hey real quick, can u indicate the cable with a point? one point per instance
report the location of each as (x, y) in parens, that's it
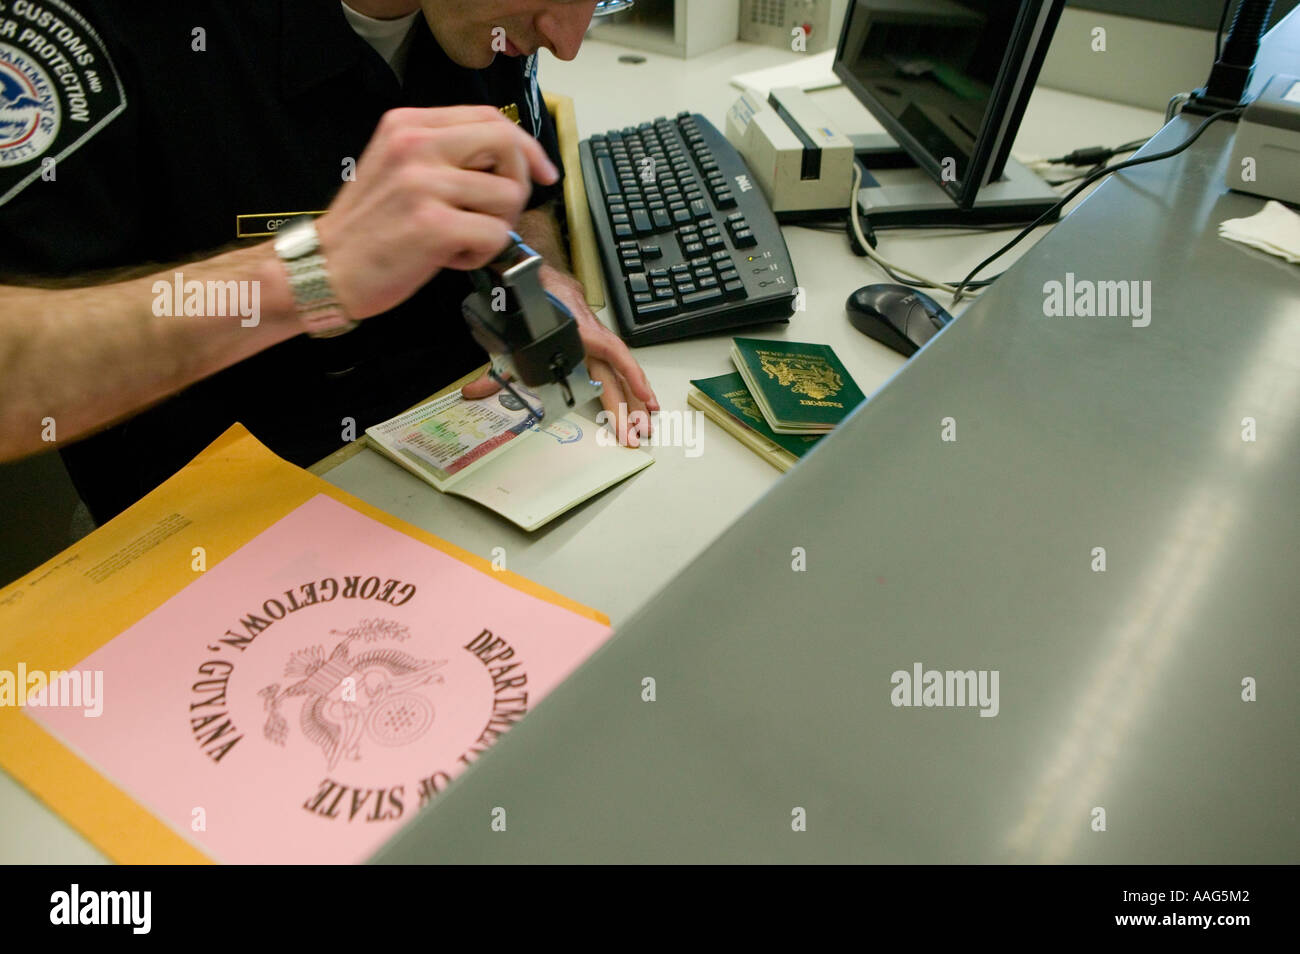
(1218, 36)
(893, 271)
(839, 225)
(1172, 110)
(1132, 146)
(1096, 155)
(1087, 181)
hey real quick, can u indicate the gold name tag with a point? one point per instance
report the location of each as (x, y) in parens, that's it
(511, 112)
(266, 224)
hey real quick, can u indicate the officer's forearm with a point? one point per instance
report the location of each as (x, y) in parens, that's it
(75, 360)
(541, 231)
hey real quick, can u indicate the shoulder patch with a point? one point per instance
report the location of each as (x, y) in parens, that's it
(58, 88)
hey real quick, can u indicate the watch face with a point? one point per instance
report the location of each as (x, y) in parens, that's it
(297, 240)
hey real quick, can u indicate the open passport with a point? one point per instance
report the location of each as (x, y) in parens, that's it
(491, 450)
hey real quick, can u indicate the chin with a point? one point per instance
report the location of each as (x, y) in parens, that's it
(476, 60)
(473, 57)
(463, 50)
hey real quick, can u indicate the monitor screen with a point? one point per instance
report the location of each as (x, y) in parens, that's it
(948, 79)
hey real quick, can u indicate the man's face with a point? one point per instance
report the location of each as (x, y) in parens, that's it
(466, 29)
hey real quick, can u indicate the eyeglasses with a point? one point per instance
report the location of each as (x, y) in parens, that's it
(605, 7)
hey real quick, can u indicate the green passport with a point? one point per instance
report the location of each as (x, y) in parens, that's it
(801, 388)
(728, 392)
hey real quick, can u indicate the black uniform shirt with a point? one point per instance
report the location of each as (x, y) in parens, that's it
(164, 137)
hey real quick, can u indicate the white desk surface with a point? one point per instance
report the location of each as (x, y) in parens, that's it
(615, 552)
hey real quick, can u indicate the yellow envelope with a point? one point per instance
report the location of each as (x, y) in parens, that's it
(61, 612)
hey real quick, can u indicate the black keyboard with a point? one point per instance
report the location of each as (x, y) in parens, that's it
(688, 242)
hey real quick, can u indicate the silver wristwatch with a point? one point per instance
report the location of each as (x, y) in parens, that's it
(299, 248)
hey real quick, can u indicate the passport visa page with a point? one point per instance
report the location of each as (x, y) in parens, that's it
(491, 450)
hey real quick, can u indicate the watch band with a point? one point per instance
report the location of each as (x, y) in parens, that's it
(298, 246)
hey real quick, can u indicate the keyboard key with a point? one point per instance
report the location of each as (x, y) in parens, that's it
(663, 294)
(721, 256)
(708, 281)
(623, 230)
(733, 290)
(704, 296)
(638, 283)
(681, 215)
(658, 309)
(700, 209)
(632, 265)
(641, 221)
(660, 218)
(652, 251)
(608, 176)
(694, 248)
(744, 238)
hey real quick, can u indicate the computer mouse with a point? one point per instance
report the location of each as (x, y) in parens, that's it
(897, 316)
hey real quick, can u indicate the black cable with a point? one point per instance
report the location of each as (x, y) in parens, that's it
(1096, 155)
(1218, 36)
(899, 279)
(1088, 180)
(1133, 145)
(1117, 151)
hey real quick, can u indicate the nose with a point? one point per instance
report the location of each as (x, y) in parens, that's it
(563, 26)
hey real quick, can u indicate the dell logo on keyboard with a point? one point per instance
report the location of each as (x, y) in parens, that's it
(744, 183)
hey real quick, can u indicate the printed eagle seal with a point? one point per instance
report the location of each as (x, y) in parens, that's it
(802, 374)
(58, 88)
(375, 693)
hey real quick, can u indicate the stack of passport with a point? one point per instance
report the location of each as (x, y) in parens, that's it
(785, 396)
(800, 388)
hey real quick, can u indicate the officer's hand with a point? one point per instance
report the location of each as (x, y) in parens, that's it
(627, 394)
(435, 188)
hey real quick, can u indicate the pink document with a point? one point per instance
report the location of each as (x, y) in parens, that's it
(302, 699)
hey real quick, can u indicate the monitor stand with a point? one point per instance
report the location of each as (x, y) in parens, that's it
(896, 193)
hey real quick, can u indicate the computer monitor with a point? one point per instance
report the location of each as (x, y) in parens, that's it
(949, 81)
